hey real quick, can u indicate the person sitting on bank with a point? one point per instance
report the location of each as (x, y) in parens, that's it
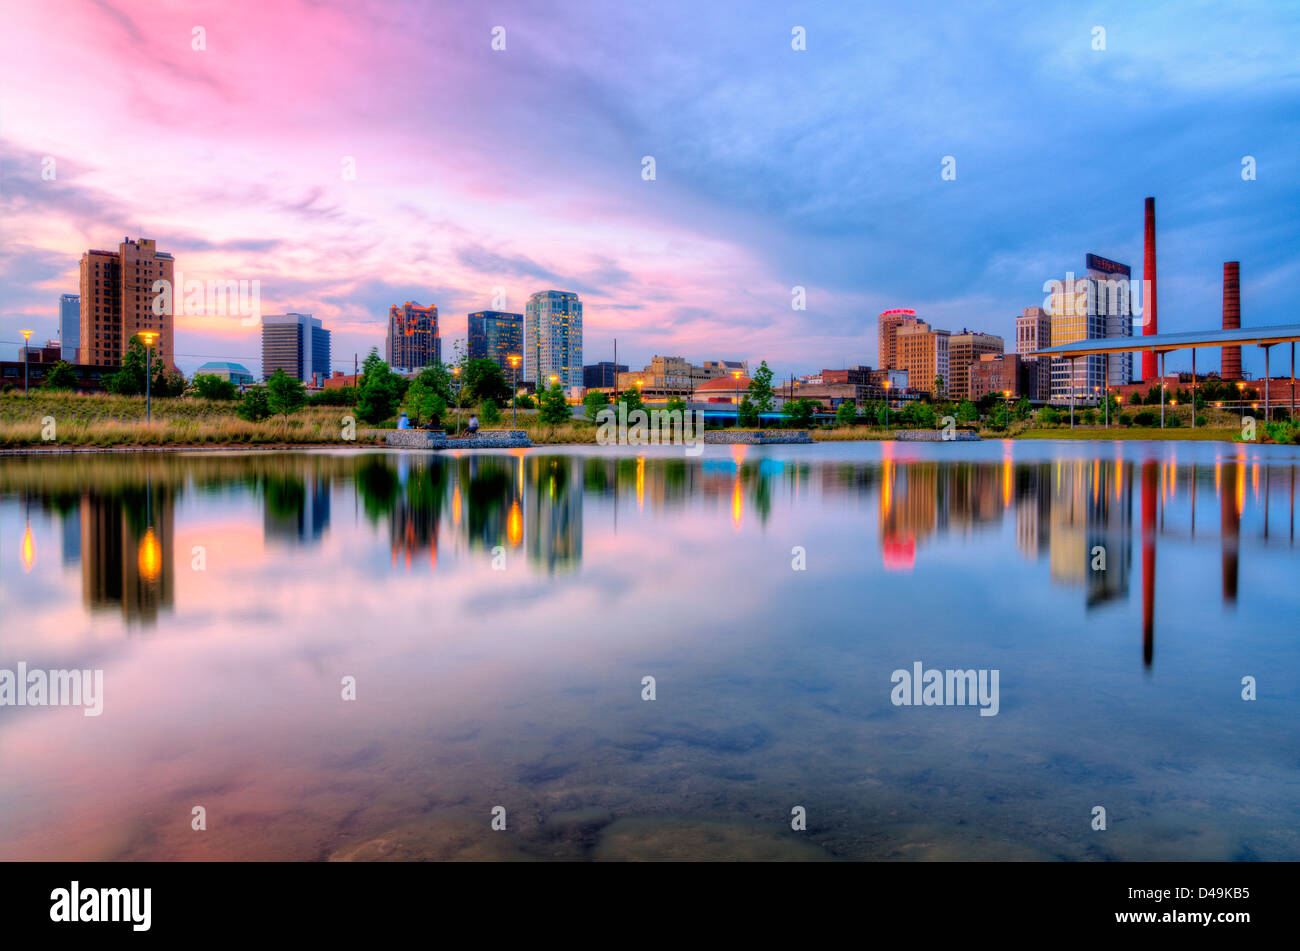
(403, 422)
(473, 424)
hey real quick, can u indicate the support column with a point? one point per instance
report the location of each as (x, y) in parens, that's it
(1106, 395)
(1293, 384)
(1162, 389)
(1267, 376)
(1072, 359)
(1193, 403)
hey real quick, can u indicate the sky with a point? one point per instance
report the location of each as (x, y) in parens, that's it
(226, 131)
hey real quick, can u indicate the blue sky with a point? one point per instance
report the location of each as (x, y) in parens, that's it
(774, 167)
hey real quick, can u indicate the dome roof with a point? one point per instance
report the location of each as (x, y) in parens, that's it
(727, 383)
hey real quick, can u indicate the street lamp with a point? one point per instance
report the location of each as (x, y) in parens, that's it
(886, 382)
(27, 337)
(455, 372)
(1007, 394)
(148, 336)
(514, 380)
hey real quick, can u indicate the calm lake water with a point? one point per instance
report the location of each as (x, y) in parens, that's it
(499, 612)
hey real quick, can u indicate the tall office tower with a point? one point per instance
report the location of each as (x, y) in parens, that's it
(296, 344)
(1093, 307)
(602, 374)
(1231, 367)
(965, 349)
(495, 335)
(413, 340)
(553, 328)
(1149, 325)
(1033, 333)
(923, 353)
(69, 326)
(117, 302)
(887, 327)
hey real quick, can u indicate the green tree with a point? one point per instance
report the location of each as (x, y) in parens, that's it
(966, 412)
(424, 401)
(846, 414)
(129, 380)
(284, 394)
(209, 386)
(632, 397)
(524, 401)
(1023, 409)
(800, 412)
(940, 389)
(760, 390)
(675, 404)
(380, 391)
(61, 377)
(255, 406)
(555, 408)
(484, 381)
(1048, 416)
(489, 412)
(747, 412)
(594, 401)
(437, 379)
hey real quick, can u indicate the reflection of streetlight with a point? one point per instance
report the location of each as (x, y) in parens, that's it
(27, 339)
(148, 336)
(514, 380)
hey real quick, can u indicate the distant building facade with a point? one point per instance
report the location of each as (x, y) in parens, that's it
(297, 344)
(1093, 307)
(964, 349)
(923, 353)
(70, 326)
(1001, 373)
(236, 373)
(497, 336)
(553, 345)
(887, 326)
(413, 340)
(1033, 333)
(602, 374)
(117, 299)
(677, 376)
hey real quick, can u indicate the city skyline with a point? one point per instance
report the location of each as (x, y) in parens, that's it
(745, 204)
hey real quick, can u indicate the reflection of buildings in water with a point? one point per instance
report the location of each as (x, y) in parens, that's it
(1091, 508)
(1231, 477)
(553, 512)
(297, 512)
(70, 529)
(491, 501)
(417, 509)
(126, 552)
(1034, 509)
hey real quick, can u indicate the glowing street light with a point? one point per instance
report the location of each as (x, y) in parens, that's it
(455, 372)
(149, 337)
(886, 382)
(27, 336)
(514, 381)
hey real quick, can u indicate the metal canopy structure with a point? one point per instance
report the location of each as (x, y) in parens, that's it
(1162, 344)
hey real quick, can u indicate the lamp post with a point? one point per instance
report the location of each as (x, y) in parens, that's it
(27, 338)
(514, 380)
(455, 372)
(1007, 393)
(886, 383)
(148, 336)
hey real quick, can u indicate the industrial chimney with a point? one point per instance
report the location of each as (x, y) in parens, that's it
(1231, 369)
(1149, 276)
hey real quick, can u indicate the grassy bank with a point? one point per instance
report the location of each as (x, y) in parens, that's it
(1179, 434)
(103, 421)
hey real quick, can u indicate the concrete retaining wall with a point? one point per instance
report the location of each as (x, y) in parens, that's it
(755, 437)
(934, 435)
(438, 439)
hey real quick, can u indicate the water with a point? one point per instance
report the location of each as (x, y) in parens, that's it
(226, 596)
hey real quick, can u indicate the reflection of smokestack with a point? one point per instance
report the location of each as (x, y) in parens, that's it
(1231, 369)
(1229, 530)
(1149, 497)
(1149, 275)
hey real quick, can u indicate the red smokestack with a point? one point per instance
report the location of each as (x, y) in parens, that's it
(1231, 369)
(1149, 275)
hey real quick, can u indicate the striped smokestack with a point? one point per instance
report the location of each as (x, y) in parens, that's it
(1149, 275)
(1231, 369)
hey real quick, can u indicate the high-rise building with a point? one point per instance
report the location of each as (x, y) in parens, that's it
(497, 336)
(297, 344)
(1033, 333)
(117, 302)
(553, 327)
(923, 352)
(890, 321)
(965, 349)
(1093, 307)
(69, 326)
(413, 340)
